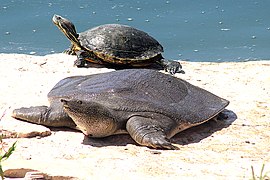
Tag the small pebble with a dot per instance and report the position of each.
(155, 152)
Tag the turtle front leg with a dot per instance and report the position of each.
(80, 61)
(44, 115)
(171, 66)
(70, 50)
(148, 132)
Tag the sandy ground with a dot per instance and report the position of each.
(214, 150)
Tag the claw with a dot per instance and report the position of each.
(158, 141)
(79, 62)
(172, 66)
(167, 146)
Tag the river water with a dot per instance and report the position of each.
(199, 30)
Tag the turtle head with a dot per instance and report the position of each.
(67, 28)
(92, 118)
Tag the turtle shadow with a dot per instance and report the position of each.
(202, 131)
(115, 140)
(189, 136)
(154, 66)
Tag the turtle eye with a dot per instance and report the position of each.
(58, 18)
(79, 102)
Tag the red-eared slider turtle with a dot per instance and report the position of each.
(149, 105)
(114, 45)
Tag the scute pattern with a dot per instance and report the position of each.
(121, 42)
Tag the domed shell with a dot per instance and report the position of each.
(121, 42)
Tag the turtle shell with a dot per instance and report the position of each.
(136, 91)
(120, 42)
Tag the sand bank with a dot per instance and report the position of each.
(217, 150)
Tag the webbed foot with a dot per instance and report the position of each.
(223, 115)
(144, 131)
(157, 140)
(172, 66)
(33, 114)
(69, 51)
(80, 61)
(44, 115)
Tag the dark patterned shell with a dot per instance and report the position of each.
(121, 42)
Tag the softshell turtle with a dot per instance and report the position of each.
(114, 45)
(149, 105)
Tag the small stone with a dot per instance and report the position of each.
(155, 152)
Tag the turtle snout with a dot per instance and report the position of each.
(56, 18)
(64, 102)
(68, 103)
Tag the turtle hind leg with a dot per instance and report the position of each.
(146, 132)
(44, 115)
(87, 59)
(171, 66)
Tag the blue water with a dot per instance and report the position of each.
(199, 30)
